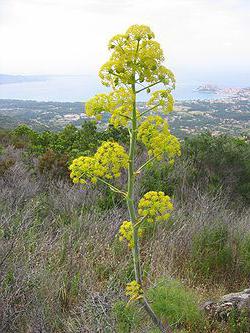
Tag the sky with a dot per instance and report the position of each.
(71, 36)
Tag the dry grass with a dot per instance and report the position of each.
(62, 268)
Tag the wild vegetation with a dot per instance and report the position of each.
(59, 249)
(66, 263)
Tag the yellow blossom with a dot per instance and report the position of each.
(136, 57)
(154, 134)
(126, 231)
(82, 169)
(162, 101)
(97, 105)
(134, 291)
(107, 163)
(119, 103)
(110, 159)
(155, 206)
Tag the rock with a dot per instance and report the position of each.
(235, 301)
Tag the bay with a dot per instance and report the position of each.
(82, 87)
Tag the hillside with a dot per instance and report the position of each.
(63, 268)
(229, 115)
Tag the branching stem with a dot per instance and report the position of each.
(112, 187)
(146, 163)
(131, 208)
(149, 86)
(148, 110)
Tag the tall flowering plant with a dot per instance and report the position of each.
(135, 66)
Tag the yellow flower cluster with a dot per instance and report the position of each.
(135, 57)
(155, 206)
(119, 103)
(162, 101)
(82, 169)
(140, 32)
(107, 163)
(122, 106)
(154, 134)
(110, 159)
(97, 105)
(126, 231)
(134, 291)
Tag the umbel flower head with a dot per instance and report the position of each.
(110, 158)
(107, 163)
(97, 105)
(83, 168)
(155, 206)
(119, 103)
(135, 52)
(154, 134)
(126, 231)
(134, 291)
(161, 101)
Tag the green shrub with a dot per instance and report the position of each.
(221, 161)
(155, 178)
(211, 252)
(172, 301)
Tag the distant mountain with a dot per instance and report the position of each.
(213, 89)
(6, 79)
(208, 88)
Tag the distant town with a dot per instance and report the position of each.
(230, 114)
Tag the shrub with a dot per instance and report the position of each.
(221, 161)
(53, 164)
(172, 301)
(6, 163)
(156, 178)
(23, 136)
(1, 149)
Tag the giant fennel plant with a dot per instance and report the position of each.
(135, 66)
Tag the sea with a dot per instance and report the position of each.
(79, 88)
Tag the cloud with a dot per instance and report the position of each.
(62, 36)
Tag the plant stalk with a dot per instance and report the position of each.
(131, 208)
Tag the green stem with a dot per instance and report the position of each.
(130, 195)
(155, 106)
(112, 187)
(146, 163)
(131, 208)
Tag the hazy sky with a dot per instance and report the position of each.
(71, 36)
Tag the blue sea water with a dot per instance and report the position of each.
(81, 88)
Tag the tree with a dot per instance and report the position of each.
(135, 66)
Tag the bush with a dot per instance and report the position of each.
(221, 161)
(53, 164)
(6, 162)
(156, 178)
(172, 301)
